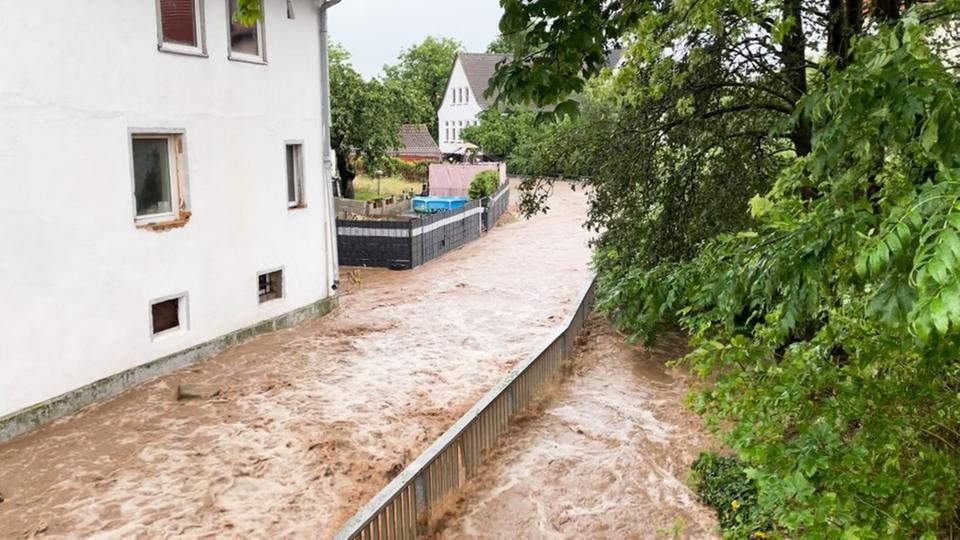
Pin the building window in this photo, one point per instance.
(158, 177)
(168, 314)
(180, 26)
(295, 198)
(270, 285)
(290, 14)
(246, 42)
(466, 95)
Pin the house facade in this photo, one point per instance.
(163, 191)
(464, 99)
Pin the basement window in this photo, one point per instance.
(167, 314)
(246, 42)
(270, 285)
(180, 26)
(294, 153)
(158, 177)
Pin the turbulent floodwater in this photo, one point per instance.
(311, 421)
(607, 457)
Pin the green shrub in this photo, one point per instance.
(723, 484)
(484, 184)
(393, 167)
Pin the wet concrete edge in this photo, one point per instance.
(412, 472)
(27, 419)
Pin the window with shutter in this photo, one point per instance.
(177, 18)
(180, 26)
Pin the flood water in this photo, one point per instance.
(607, 456)
(311, 421)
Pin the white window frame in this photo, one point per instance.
(177, 154)
(178, 48)
(298, 184)
(466, 95)
(183, 315)
(261, 39)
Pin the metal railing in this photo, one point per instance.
(403, 509)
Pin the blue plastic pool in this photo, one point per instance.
(430, 205)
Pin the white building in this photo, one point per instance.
(464, 98)
(163, 191)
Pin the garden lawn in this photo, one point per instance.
(365, 187)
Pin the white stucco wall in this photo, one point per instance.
(456, 112)
(76, 274)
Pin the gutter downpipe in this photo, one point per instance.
(325, 129)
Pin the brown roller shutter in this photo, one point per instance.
(178, 21)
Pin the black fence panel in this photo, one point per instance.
(496, 205)
(382, 244)
(445, 231)
(409, 244)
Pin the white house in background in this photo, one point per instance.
(163, 191)
(465, 98)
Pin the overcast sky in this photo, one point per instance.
(375, 31)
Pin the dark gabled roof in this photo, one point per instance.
(479, 68)
(415, 140)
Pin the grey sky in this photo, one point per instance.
(375, 31)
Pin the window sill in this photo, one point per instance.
(247, 60)
(162, 226)
(167, 332)
(199, 53)
(300, 206)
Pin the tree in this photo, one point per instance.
(366, 116)
(709, 121)
(500, 132)
(826, 317)
(422, 73)
(505, 44)
(834, 324)
(249, 11)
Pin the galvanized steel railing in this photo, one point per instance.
(403, 509)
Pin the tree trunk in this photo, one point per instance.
(793, 55)
(845, 22)
(346, 174)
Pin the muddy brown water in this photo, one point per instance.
(607, 456)
(311, 421)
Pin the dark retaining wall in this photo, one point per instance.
(409, 244)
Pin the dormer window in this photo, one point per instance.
(180, 27)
